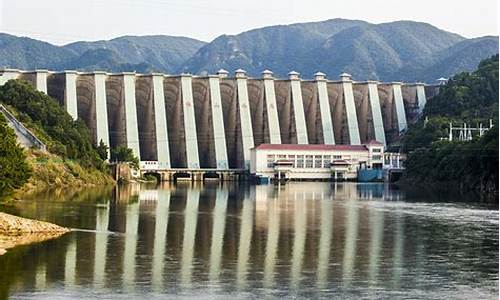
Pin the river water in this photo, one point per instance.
(301, 240)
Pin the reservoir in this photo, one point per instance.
(240, 241)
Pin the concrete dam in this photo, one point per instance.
(212, 122)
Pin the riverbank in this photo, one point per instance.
(16, 231)
(449, 192)
(50, 171)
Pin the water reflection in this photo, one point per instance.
(161, 225)
(190, 220)
(101, 244)
(306, 239)
(219, 223)
(325, 240)
(244, 241)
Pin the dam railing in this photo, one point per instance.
(20, 129)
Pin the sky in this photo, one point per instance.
(64, 21)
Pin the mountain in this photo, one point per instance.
(278, 48)
(26, 53)
(105, 59)
(402, 51)
(162, 53)
(460, 57)
(366, 51)
(379, 51)
(128, 53)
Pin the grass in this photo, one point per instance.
(52, 171)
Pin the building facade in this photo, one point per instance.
(315, 162)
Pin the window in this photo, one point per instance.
(282, 156)
(318, 161)
(378, 150)
(291, 157)
(337, 157)
(270, 160)
(309, 161)
(300, 161)
(327, 159)
(376, 157)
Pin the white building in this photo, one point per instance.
(315, 162)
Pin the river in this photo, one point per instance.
(233, 241)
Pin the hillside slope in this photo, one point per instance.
(395, 51)
(161, 53)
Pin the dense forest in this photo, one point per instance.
(472, 165)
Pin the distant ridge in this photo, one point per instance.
(401, 50)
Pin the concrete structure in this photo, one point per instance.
(315, 162)
(205, 124)
(298, 108)
(326, 121)
(245, 117)
(162, 147)
(24, 136)
(352, 119)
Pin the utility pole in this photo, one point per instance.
(466, 132)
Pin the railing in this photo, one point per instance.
(153, 165)
(22, 129)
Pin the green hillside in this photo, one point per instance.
(394, 51)
(73, 159)
(471, 166)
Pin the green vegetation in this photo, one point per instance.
(73, 159)
(469, 96)
(102, 150)
(128, 53)
(52, 171)
(123, 154)
(401, 50)
(471, 166)
(63, 136)
(14, 171)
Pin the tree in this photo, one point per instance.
(102, 150)
(470, 166)
(14, 170)
(124, 154)
(63, 136)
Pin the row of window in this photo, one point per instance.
(306, 161)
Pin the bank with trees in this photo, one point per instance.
(471, 166)
(72, 158)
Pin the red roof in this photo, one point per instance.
(312, 147)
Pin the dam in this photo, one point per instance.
(174, 122)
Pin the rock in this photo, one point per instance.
(15, 231)
(12, 225)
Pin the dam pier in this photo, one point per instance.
(185, 125)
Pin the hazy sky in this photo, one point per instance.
(64, 21)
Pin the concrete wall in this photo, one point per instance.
(213, 122)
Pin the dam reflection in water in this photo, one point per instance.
(309, 239)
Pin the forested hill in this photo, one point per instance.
(401, 51)
(472, 165)
(72, 158)
(127, 53)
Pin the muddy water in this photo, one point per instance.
(303, 240)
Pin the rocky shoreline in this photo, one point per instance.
(16, 231)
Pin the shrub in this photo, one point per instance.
(64, 136)
(14, 171)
